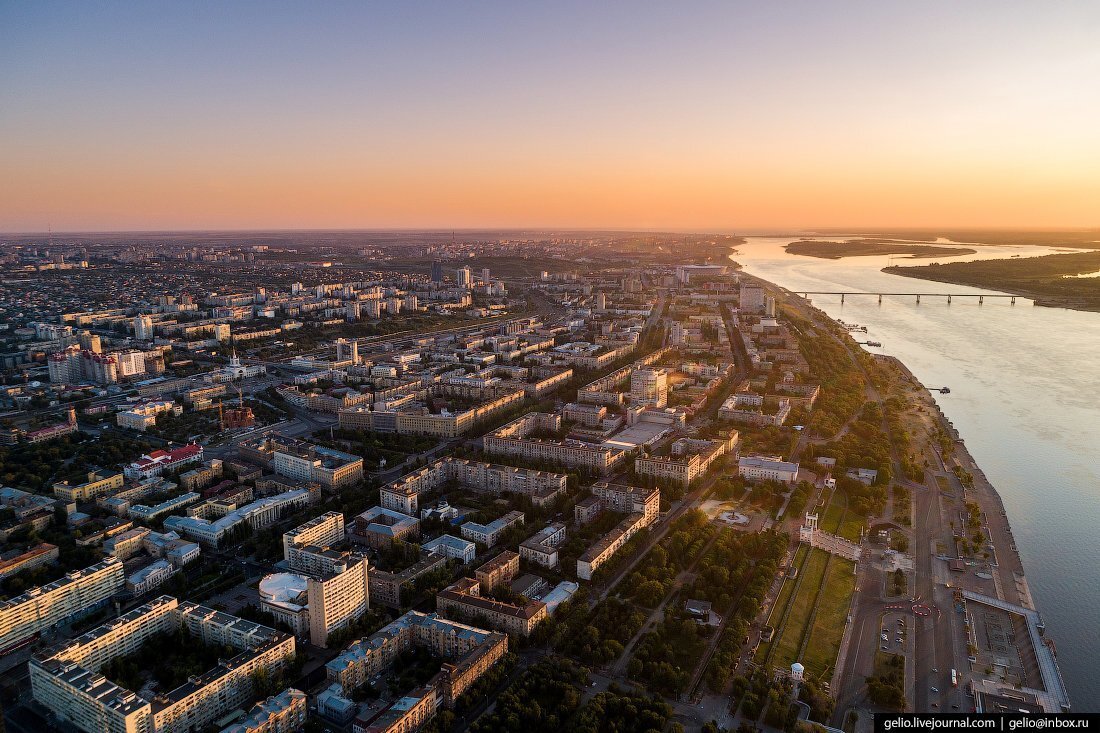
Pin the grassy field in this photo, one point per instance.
(831, 618)
(836, 521)
(782, 600)
(802, 604)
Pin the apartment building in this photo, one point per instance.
(380, 528)
(323, 531)
(514, 439)
(201, 477)
(127, 544)
(282, 713)
(66, 679)
(625, 499)
(498, 571)
(305, 461)
(75, 595)
(641, 507)
(649, 386)
(743, 408)
(542, 547)
(690, 458)
(321, 601)
(489, 534)
(541, 486)
(463, 601)
(386, 588)
(41, 554)
(452, 547)
(469, 652)
(98, 484)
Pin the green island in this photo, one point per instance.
(1049, 280)
(1076, 238)
(870, 247)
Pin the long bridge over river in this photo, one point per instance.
(846, 293)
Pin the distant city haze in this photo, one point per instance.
(124, 116)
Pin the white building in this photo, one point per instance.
(759, 468)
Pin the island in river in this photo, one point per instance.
(1062, 280)
(868, 247)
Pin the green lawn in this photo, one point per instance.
(831, 618)
(836, 521)
(782, 600)
(790, 636)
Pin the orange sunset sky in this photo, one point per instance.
(703, 115)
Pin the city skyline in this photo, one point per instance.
(715, 116)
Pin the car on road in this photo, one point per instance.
(885, 648)
(935, 689)
(886, 637)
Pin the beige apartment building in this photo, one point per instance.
(66, 679)
(72, 596)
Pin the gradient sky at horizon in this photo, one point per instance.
(157, 115)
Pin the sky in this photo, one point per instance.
(688, 115)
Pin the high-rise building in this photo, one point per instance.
(223, 332)
(464, 276)
(437, 271)
(143, 328)
(751, 299)
(91, 342)
(354, 310)
(130, 363)
(485, 275)
(601, 301)
(347, 350)
(649, 387)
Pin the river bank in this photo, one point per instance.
(1057, 280)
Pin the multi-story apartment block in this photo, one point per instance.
(542, 547)
(498, 571)
(416, 419)
(470, 653)
(42, 554)
(649, 386)
(641, 507)
(386, 588)
(323, 531)
(519, 439)
(282, 713)
(127, 544)
(541, 486)
(451, 547)
(201, 477)
(380, 528)
(463, 601)
(76, 594)
(67, 680)
(489, 534)
(304, 461)
(97, 484)
(689, 459)
(144, 416)
(743, 408)
(626, 499)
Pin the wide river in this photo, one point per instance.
(1025, 396)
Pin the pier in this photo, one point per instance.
(843, 294)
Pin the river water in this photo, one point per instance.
(1025, 396)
